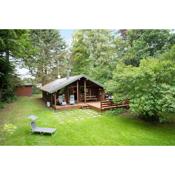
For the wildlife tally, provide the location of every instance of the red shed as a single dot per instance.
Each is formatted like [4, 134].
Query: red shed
[24, 90]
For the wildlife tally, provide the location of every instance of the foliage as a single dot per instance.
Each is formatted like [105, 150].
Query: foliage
[1, 105]
[134, 45]
[93, 53]
[150, 87]
[8, 80]
[13, 43]
[79, 53]
[12, 46]
[169, 54]
[36, 90]
[48, 60]
[96, 52]
[117, 111]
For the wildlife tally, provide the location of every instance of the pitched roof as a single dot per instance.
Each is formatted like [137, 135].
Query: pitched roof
[62, 82]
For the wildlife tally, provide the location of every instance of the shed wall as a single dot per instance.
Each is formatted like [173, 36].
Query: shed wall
[24, 91]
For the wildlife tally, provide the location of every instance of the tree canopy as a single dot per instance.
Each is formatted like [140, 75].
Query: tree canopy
[12, 46]
[134, 45]
[93, 53]
[48, 60]
[150, 87]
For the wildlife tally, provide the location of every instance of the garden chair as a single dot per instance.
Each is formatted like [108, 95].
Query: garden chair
[61, 100]
[39, 130]
[72, 100]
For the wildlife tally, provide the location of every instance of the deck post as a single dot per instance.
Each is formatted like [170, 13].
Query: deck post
[51, 99]
[77, 91]
[55, 99]
[85, 90]
[67, 95]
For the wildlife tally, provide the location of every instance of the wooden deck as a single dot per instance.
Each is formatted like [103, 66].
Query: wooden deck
[105, 105]
[75, 106]
[95, 105]
[98, 106]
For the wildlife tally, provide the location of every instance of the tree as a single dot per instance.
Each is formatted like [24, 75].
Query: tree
[93, 53]
[80, 55]
[12, 47]
[134, 45]
[13, 43]
[49, 59]
[150, 87]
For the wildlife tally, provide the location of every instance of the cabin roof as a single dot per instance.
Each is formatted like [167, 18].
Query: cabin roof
[63, 82]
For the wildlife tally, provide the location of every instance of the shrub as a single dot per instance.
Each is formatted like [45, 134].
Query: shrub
[150, 87]
[1, 105]
[117, 111]
[35, 90]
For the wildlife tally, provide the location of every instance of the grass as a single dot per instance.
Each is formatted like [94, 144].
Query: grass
[78, 127]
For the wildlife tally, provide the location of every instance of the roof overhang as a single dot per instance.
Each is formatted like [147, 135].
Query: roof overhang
[67, 82]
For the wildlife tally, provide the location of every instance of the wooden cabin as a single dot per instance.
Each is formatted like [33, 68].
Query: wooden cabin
[83, 88]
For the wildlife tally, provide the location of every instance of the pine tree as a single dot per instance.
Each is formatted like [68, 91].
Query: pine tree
[49, 59]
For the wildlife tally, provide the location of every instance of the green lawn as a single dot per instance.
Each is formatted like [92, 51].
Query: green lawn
[78, 127]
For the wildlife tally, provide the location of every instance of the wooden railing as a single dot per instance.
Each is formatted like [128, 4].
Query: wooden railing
[105, 105]
[88, 97]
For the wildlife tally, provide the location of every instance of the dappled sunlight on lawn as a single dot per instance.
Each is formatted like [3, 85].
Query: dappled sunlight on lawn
[78, 115]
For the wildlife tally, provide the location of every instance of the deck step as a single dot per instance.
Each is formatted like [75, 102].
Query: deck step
[85, 107]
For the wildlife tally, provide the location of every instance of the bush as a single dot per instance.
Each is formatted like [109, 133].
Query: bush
[150, 87]
[1, 105]
[35, 90]
[117, 111]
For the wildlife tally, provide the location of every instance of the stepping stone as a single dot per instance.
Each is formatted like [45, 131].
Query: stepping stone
[32, 117]
[95, 116]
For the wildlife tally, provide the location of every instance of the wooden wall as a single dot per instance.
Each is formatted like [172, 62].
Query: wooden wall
[24, 91]
[92, 90]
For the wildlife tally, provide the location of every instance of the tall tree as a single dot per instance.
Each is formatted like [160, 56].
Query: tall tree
[13, 43]
[49, 59]
[93, 53]
[80, 55]
[12, 46]
[134, 45]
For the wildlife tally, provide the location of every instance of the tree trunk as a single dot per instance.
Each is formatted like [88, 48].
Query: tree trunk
[0, 94]
[7, 55]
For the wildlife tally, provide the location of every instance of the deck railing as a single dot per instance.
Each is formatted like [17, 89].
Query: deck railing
[105, 105]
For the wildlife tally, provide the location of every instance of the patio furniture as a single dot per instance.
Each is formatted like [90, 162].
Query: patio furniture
[72, 100]
[40, 130]
[61, 100]
[64, 103]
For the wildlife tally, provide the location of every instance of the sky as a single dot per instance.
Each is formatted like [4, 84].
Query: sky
[67, 36]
